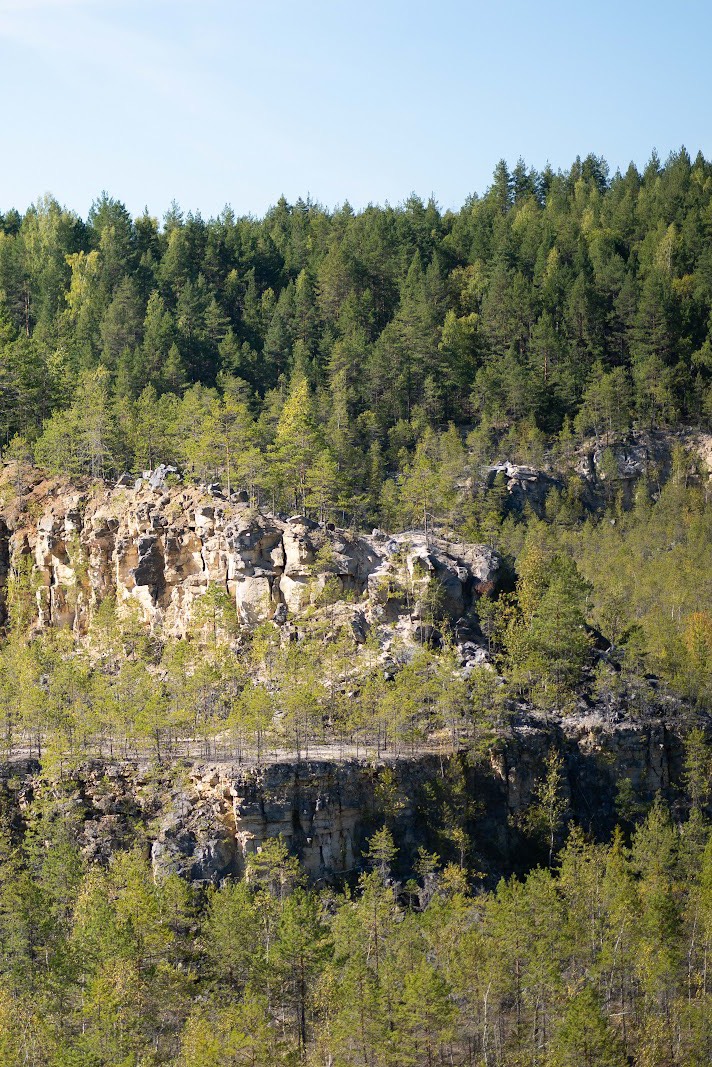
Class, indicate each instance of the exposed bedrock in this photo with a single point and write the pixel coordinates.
(202, 822)
(614, 464)
(160, 549)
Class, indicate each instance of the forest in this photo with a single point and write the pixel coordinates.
(316, 357)
(601, 961)
(364, 369)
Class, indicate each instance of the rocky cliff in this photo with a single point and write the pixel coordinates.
(325, 810)
(161, 546)
(202, 822)
(614, 464)
(158, 545)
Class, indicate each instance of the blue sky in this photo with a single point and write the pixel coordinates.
(211, 102)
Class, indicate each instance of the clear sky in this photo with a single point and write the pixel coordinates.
(211, 102)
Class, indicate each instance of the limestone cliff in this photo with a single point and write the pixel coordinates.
(160, 547)
(603, 468)
(158, 543)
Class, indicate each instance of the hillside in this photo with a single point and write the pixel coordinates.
(355, 630)
(315, 359)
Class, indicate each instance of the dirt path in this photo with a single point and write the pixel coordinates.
(216, 754)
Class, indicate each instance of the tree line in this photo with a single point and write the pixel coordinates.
(305, 355)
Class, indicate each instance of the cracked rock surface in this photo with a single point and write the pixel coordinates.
(159, 548)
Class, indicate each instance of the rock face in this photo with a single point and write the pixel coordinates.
(202, 822)
(524, 486)
(161, 547)
(224, 814)
(614, 463)
(617, 463)
(326, 810)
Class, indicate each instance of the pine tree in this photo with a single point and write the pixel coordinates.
(296, 443)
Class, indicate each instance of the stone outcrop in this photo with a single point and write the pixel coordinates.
(320, 809)
(202, 821)
(157, 544)
(159, 547)
(325, 810)
(524, 486)
(604, 467)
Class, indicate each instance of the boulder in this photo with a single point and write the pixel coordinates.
(157, 478)
(359, 627)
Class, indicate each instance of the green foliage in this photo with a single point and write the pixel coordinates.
(381, 851)
(365, 367)
(546, 814)
(276, 353)
(547, 643)
(580, 964)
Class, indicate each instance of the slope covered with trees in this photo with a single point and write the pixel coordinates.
(365, 367)
(313, 355)
(599, 959)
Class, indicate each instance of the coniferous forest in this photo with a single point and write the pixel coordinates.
(312, 352)
(381, 368)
